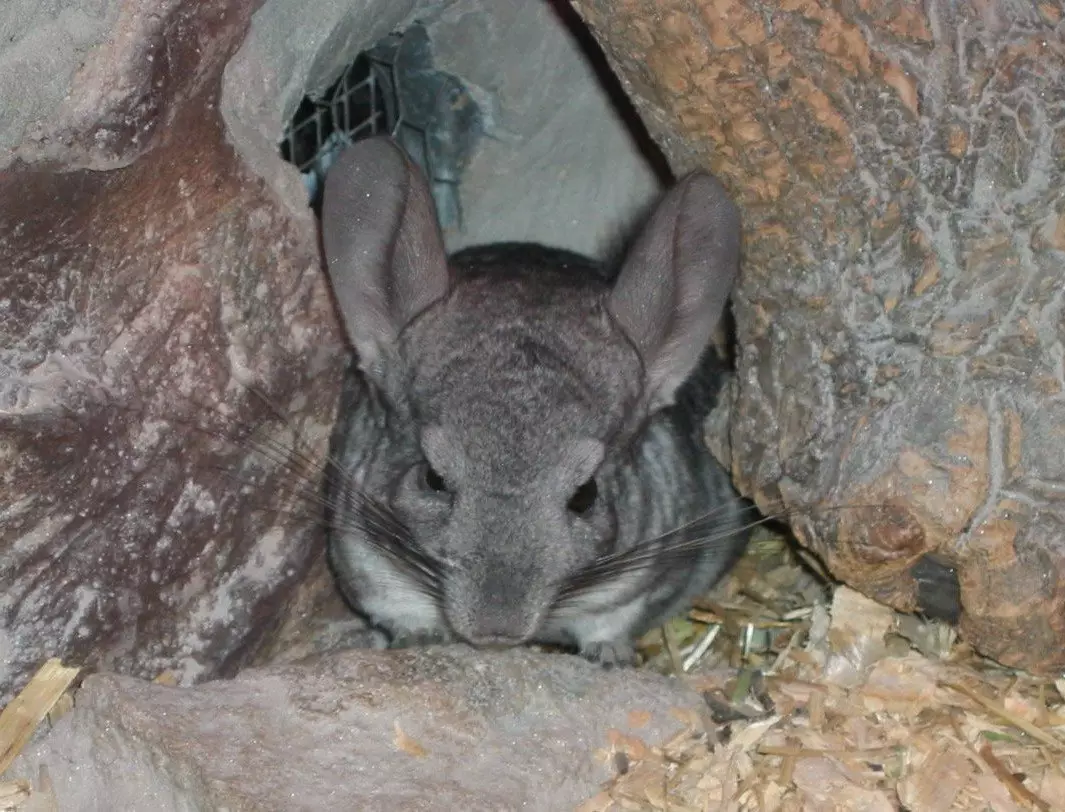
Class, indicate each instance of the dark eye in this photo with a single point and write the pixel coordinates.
(584, 497)
(433, 480)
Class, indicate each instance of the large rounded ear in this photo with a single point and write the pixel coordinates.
(673, 285)
(383, 247)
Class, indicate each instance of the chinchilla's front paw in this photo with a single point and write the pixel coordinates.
(609, 654)
(349, 635)
(415, 638)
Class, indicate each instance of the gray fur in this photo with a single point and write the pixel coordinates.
(516, 373)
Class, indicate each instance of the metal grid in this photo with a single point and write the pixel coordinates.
(391, 88)
(352, 108)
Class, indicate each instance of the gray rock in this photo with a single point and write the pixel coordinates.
(505, 731)
(83, 83)
(558, 165)
(138, 533)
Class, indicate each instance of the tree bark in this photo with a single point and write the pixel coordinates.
(901, 169)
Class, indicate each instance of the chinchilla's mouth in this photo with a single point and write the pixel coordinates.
(497, 646)
(498, 635)
(494, 642)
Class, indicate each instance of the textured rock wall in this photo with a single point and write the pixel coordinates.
(555, 164)
(901, 169)
(421, 729)
(128, 299)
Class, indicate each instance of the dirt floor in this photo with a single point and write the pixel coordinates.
(829, 701)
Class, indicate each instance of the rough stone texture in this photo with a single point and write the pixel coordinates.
(442, 728)
(129, 299)
(901, 169)
(557, 165)
(89, 84)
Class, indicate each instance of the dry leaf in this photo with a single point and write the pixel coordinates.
(26, 711)
(408, 745)
(639, 718)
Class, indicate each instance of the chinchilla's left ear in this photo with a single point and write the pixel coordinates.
(384, 250)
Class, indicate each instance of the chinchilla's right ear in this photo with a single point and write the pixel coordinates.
(383, 247)
(672, 289)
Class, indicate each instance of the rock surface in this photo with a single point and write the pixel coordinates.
(901, 172)
(556, 165)
(134, 305)
(439, 728)
(82, 76)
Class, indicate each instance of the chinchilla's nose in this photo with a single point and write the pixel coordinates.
(492, 619)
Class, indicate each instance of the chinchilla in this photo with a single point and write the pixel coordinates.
(518, 456)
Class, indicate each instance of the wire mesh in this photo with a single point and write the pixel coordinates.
(390, 88)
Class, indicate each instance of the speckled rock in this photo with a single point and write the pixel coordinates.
(901, 169)
(438, 728)
(135, 306)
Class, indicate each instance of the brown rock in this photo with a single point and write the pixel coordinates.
(899, 314)
(135, 305)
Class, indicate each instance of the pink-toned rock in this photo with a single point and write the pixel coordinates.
(440, 728)
(128, 300)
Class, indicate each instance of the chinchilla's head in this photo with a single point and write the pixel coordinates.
(518, 391)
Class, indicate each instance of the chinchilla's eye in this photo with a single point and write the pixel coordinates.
(584, 497)
(433, 480)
